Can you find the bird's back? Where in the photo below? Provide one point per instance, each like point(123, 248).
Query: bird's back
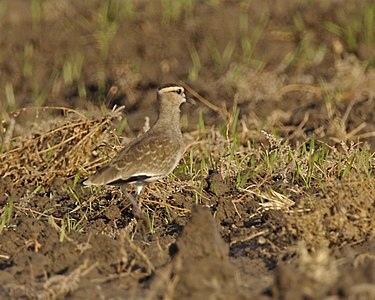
point(148, 158)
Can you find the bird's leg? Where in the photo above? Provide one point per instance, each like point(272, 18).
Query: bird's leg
point(138, 190)
point(132, 200)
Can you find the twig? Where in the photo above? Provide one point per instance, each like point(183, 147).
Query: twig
point(248, 238)
point(223, 113)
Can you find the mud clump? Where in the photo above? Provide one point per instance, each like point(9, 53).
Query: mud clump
point(319, 274)
point(201, 264)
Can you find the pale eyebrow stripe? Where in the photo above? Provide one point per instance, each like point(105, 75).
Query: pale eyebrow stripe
point(171, 89)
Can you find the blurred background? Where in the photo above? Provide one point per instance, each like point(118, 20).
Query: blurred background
point(284, 64)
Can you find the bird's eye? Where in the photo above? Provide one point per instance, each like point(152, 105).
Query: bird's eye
point(179, 91)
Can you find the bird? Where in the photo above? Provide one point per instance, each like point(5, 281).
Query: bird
point(151, 156)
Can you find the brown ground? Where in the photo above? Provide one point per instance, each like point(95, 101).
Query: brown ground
point(300, 80)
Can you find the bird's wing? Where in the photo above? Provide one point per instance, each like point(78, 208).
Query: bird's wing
point(151, 156)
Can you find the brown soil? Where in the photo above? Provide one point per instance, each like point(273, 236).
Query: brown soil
point(229, 246)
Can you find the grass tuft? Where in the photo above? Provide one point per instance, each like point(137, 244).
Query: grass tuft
point(6, 213)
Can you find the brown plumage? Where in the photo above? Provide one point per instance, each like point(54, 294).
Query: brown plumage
point(151, 156)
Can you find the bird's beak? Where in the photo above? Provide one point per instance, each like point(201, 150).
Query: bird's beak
point(190, 100)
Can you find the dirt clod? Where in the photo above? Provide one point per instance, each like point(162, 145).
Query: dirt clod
point(201, 264)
